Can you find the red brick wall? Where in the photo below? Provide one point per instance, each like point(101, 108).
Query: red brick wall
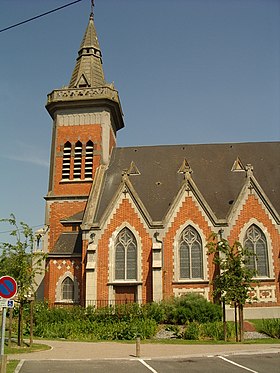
point(58, 211)
point(254, 209)
point(82, 133)
point(63, 209)
point(188, 211)
point(124, 213)
point(57, 268)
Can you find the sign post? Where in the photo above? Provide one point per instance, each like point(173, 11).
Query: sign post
point(8, 289)
point(4, 313)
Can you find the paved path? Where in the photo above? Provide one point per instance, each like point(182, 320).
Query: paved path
point(64, 350)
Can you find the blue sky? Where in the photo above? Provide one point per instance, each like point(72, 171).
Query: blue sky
point(187, 71)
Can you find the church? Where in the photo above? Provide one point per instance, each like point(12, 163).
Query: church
point(131, 224)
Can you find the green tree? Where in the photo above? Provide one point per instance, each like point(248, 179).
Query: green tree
point(20, 261)
point(233, 283)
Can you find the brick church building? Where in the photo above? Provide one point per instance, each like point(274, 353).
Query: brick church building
point(131, 224)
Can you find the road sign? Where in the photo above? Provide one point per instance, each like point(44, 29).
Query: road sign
point(8, 287)
point(10, 303)
point(7, 303)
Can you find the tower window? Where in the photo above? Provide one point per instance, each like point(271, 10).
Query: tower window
point(89, 159)
point(66, 161)
point(78, 160)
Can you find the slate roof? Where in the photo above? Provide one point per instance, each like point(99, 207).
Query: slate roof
point(69, 243)
point(159, 180)
point(76, 218)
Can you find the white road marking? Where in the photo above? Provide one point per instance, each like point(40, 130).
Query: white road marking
point(238, 365)
point(147, 366)
point(20, 364)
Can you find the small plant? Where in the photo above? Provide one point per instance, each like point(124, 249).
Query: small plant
point(192, 331)
point(215, 330)
point(271, 327)
point(175, 329)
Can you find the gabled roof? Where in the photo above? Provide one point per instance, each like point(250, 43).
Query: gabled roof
point(160, 175)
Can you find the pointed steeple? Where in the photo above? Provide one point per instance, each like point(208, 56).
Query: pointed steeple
point(87, 87)
point(88, 71)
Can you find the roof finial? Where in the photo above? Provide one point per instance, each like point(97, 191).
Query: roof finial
point(92, 7)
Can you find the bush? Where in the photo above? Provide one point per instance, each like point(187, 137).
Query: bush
point(155, 311)
point(271, 327)
point(87, 330)
point(189, 308)
point(192, 331)
point(215, 330)
point(125, 321)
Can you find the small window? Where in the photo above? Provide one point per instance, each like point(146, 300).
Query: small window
point(89, 160)
point(255, 242)
point(67, 289)
point(78, 160)
point(66, 161)
point(190, 254)
point(125, 256)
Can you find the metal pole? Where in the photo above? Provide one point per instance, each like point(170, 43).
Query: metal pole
point(137, 347)
point(224, 319)
point(3, 331)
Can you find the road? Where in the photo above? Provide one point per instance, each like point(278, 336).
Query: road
point(255, 363)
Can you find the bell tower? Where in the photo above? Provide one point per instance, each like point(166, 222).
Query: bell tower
point(86, 116)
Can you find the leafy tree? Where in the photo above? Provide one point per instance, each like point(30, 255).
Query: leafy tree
point(18, 260)
point(233, 283)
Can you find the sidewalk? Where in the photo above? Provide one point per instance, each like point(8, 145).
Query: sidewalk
point(64, 350)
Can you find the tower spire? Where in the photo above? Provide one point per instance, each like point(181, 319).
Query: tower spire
point(88, 71)
point(87, 87)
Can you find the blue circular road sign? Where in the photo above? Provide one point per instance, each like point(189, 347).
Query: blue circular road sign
point(8, 287)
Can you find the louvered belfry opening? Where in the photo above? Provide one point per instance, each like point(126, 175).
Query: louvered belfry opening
point(66, 161)
point(78, 160)
point(89, 160)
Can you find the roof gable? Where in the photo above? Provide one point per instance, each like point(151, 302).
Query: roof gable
point(158, 181)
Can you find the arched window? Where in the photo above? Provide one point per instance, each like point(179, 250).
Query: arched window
point(125, 256)
point(66, 160)
point(190, 254)
point(78, 160)
point(67, 289)
point(255, 242)
point(89, 159)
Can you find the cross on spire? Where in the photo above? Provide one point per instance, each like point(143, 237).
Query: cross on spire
point(92, 7)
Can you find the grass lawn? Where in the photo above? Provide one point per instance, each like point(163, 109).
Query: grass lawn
point(11, 365)
point(15, 349)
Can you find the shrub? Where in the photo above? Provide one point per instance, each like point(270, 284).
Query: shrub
point(192, 331)
point(190, 307)
point(271, 327)
point(155, 311)
point(87, 330)
point(125, 321)
point(215, 330)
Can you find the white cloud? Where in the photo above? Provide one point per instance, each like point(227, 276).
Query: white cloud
point(28, 154)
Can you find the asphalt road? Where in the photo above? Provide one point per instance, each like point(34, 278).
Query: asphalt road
point(255, 363)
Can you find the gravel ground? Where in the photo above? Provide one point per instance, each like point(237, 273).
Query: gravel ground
point(255, 335)
point(167, 334)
